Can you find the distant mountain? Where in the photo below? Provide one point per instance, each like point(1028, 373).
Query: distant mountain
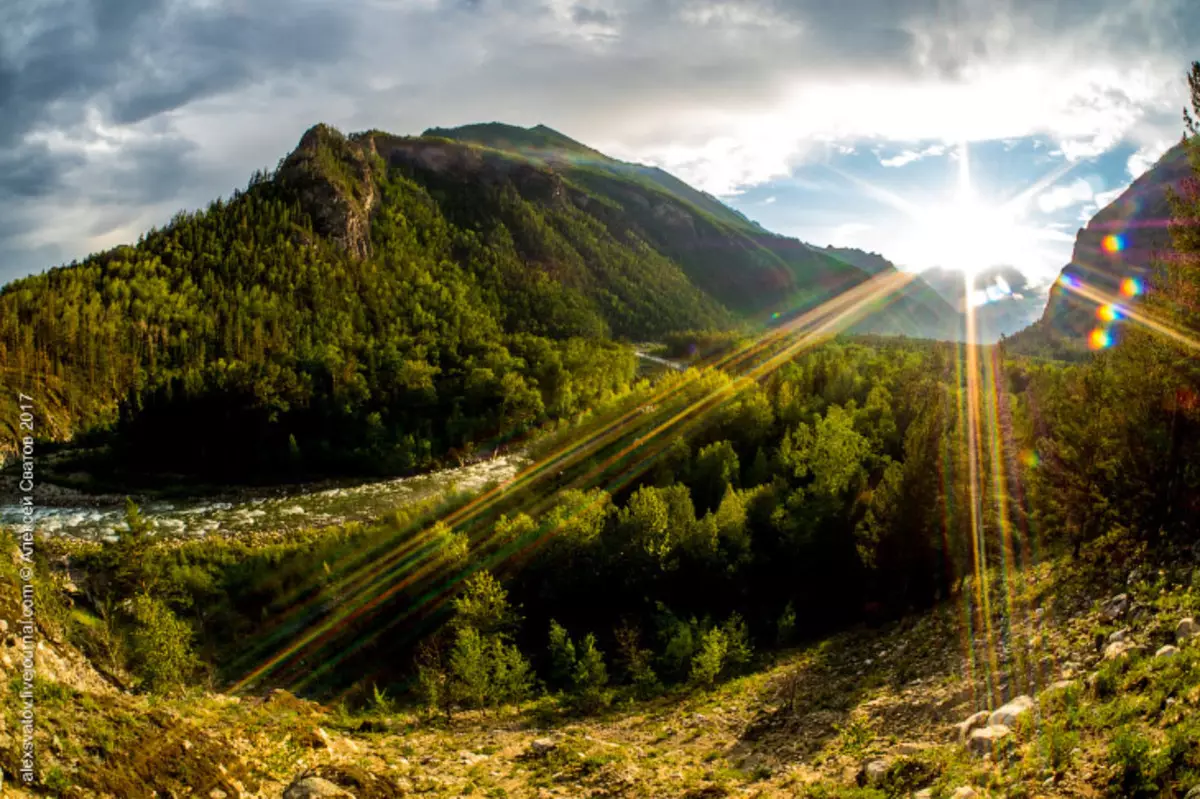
point(381, 302)
point(1003, 300)
point(1139, 217)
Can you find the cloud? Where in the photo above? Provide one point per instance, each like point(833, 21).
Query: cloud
point(177, 101)
point(1145, 157)
point(1067, 195)
point(909, 156)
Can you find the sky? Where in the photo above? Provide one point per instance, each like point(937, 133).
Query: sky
point(842, 123)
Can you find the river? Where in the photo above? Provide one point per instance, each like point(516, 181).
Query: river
point(65, 512)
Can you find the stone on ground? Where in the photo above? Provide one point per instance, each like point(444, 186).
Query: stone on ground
point(972, 722)
point(1007, 714)
point(1167, 651)
point(1186, 630)
point(1115, 608)
point(984, 740)
point(314, 788)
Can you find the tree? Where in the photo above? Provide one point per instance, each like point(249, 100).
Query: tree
point(562, 656)
point(161, 646)
point(483, 606)
point(590, 675)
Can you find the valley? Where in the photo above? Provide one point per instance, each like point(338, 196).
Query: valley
point(354, 484)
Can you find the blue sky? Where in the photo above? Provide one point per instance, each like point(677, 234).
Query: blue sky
point(115, 114)
point(823, 201)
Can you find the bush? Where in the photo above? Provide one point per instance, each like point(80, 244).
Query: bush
point(709, 660)
point(590, 675)
point(161, 646)
point(1139, 769)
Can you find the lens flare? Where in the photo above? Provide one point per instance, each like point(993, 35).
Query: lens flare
point(1068, 280)
point(1131, 287)
point(1110, 313)
point(1099, 339)
point(1113, 243)
point(1030, 458)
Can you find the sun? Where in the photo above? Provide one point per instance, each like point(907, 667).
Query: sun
point(967, 234)
point(965, 231)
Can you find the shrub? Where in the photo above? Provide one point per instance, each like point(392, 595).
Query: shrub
point(161, 645)
point(710, 658)
point(1139, 768)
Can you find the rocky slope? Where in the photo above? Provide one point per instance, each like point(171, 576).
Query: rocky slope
point(1086, 684)
point(1139, 217)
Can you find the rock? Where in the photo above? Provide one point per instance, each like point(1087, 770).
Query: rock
point(1186, 630)
point(470, 758)
point(1006, 715)
point(909, 749)
point(4, 626)
point(983, 740)
point(973, 722)
point(1115, 608)
point(1118, 636)
point(873, 773)
point(924, 793)
point(965, 792)
point(1167, 651)
point(314, 788)
point(1060, 685)
point(541, 747)
point(1120, 649)
point(1194, 793)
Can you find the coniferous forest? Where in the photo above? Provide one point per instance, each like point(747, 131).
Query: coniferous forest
point(383, 305)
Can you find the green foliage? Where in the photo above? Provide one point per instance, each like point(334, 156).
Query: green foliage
point(710, 657)
point(563, 661)
point(590, 675)
point(1139, 767)
point(483, 606)
point(160, 646)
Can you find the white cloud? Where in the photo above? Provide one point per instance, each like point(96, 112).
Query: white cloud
point(909, 156)
point(727, 94)
point(1064, 196)
point(1145, 157)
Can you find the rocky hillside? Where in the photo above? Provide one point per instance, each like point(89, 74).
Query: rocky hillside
point(1138, 220)
point(1087, 683)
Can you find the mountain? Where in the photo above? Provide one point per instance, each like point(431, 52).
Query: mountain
point(382, 302)
point(1139, 217)
point(1002, 299)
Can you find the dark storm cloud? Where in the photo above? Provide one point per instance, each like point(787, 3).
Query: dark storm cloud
point(71, 70)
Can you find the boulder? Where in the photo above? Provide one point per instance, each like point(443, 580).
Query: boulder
point(1121, 648)
point(873, 773)
point(540, 747)
point(984, 740)
point(1116, 607)
point(1007, 714)
point(1186, 630)
point(1194, 793)
point(965, 792)
point(314, 788)
point(1167, 651)
point(972, 722)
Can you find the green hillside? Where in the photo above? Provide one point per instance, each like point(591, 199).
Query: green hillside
point(383, 302)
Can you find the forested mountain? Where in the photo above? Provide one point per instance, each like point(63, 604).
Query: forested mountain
point(382, 302)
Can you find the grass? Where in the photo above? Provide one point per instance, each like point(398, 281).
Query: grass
point(1132, 723)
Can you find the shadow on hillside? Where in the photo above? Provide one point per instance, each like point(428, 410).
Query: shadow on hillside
point(903, 680)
